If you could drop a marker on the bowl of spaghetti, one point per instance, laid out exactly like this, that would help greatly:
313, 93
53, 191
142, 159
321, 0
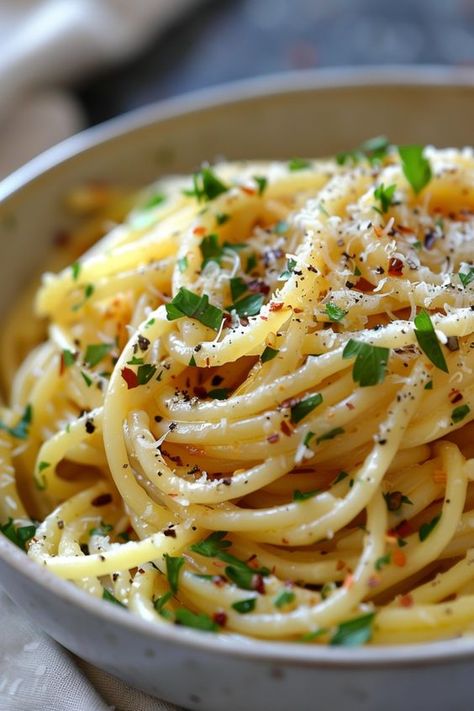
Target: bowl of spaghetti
236, 443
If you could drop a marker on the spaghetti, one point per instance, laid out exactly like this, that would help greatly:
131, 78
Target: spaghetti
252, 411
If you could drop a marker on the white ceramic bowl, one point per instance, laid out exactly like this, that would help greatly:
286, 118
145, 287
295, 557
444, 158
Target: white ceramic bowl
312, 114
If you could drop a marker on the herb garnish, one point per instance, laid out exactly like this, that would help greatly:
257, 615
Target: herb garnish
69, 358
459, 413
288, 272
304, 495
237, 287
261, 182
466, 277
395, 499
206, 186
106, 595
88, 291
249, 306
21, 429
370, 364
283, 598
330, 435
385, 196
374, 150
416, 168
298, 164
76, 270
269, 354
219, 393
173, 567
186, 303
182, 263
428, 341
160, 602
96, 352
222, 218
198, 621
145, 373
354, 632
340, 477
304, 407
426, 528
334, 312
383, 561
211, 250
19, 535
244, 606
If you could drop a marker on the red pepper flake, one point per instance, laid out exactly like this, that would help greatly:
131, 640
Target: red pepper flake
403, 529
102, 500
455, 396
247, 191
200, 392
348, 581
199, 231
61, 238
62, 366
340, 565
130, 378
285, 428
220, 618
395, 266
297, 310
258, 584
404, 230
258, 286
273, 438
364, 285
378, 231
350, 406
406, 600
276, 305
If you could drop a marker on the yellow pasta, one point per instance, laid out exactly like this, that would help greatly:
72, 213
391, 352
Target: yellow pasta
252, 410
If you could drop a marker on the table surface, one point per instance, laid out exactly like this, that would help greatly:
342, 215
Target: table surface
224, 40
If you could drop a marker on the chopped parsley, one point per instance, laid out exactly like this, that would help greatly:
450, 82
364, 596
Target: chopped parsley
395, 499
213, 545
284, 597
106, 595
249, 306
211, 250
466, 277
19, 535
160, 602
182, 264
69, 358
304, 407
206, 186
330, 435
88, 381
370, 364
429, 385
173, 568
416, 168
145, 373
428, 341
237, 287
76, 270
244, 606
219, 393
269, 354
354, 632
153, 201
426, 528
385, 196
21, 429
298, 164
290, 268
103, 530
383, 561
374, 150
96, 352
340, 477
304, 495
88, 291
459, 413
262, 183
334, 312
186, 303
198, 621
222, 218
43, 465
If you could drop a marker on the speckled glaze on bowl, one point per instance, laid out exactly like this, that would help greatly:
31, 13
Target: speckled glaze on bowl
315, 113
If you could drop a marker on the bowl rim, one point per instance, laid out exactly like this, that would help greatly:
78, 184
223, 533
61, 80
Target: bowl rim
288, 653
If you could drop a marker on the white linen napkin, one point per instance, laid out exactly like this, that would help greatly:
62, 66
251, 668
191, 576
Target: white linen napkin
45, 44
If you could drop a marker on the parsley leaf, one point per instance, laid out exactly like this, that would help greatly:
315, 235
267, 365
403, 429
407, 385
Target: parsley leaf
206, 186
374, 150
330, 435
76, 270
283, 598
186, 303
69, 358
269, 354
106, 595
173, 568
96, 352
340, 477
244, 606
334, 312
153, 201
198, 621
261, 182
298, 164
383, 561
395, 499
385, 196
426, 528
370, 364
237, 287
304, 407
416, 168
249, 306
19, 535
21, 429
466, 277
428, 341
304, 495
211, 250
145, 373
354, 632
211, 546
222, 218
160, 602
219, 393
459, 413
290, 268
